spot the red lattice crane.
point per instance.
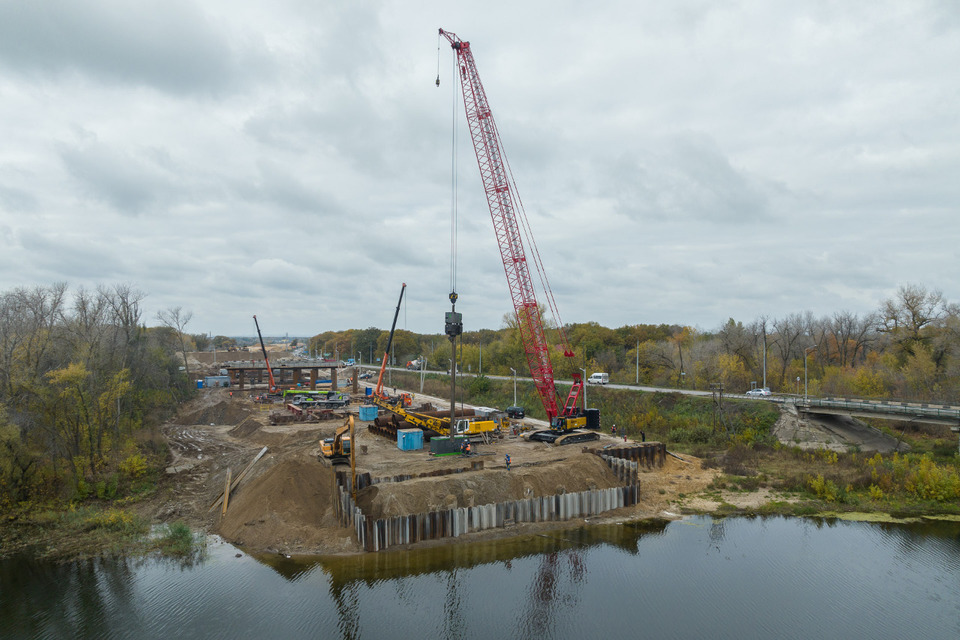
(507, 214)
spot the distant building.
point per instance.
(216, 381)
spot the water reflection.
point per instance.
(694, 578)
(372, 567)
(556, 584)
(347, 602)
(87, 593)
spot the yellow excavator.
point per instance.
(337, 450)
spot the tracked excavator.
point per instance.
(336, 450)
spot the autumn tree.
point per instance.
(177, 319)
(909, 317)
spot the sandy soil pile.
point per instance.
(288, 508)
(585, 471)
(246, 427)
(223, 412)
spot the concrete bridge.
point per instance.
(948, 415)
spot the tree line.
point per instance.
(81, 378)
(908, 348)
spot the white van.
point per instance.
(599, 378)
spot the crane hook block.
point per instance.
(453, 323)
(438, 80)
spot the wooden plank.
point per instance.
(226, 493)
(233, 486)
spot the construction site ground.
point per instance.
(285, 503)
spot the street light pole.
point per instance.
(805, 352)
(764, 357)
(514, 386)
(638, 362)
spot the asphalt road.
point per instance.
(588, 387)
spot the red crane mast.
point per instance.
(507, 214)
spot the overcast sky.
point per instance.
(680, 162)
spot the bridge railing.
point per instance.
(903, 408)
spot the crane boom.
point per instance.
(505, 209)
(386, 354)
(273, 385)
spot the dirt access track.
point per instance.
(285, 503)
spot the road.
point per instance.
(627, 387)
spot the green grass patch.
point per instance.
(178, 540)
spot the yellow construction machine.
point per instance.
(469, 426)
(337, 450)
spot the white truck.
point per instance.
(598, 378)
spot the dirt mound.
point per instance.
(246, 427)
(222, 412)
(421, 495)
(835, 433)
(288, 509)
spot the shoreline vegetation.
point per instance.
(755, 476)
(85, 386)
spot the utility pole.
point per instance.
(764, 355)
(805, 352)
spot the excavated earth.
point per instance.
(285, 502)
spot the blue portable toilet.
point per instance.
(368, 391)
(199, 384)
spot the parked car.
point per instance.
(758, 392)
(364, 375)
(515, 412)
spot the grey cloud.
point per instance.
(277, 184)
(16, 200)
(131, 182)
(65, 257)
(678, 162)
(687, 178)
(170, 45)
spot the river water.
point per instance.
(695, 578)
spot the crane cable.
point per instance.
(453, 170)
(453, 178)
(438, 59)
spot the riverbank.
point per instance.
(285, 503)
